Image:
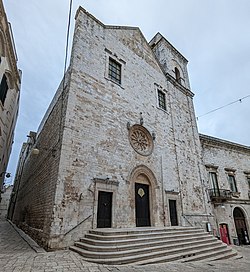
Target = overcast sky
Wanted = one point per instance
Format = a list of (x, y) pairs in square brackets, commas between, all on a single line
[(213, 35)]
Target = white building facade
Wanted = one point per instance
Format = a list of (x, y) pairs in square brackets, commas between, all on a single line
[(10, 82), (228, 176)]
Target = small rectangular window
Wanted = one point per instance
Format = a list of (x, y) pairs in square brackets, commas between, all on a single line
[(114, 71), (214, 183), (232, 183), (162, 100)]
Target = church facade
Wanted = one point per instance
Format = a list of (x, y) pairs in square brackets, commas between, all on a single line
[(118, 146)]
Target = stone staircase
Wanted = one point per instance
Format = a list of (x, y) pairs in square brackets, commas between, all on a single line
[(150, 245)]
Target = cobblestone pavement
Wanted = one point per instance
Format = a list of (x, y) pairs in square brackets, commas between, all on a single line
[(17, 255)]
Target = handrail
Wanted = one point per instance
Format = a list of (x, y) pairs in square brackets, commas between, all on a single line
[(77, 225), (190, 222), (187, 220)]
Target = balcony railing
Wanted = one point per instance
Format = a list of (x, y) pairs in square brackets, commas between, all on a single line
[(220, 194)]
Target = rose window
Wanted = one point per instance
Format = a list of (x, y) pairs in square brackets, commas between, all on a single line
[(141, 140)]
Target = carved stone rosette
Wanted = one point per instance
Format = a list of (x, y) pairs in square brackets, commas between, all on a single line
[(141, 140)]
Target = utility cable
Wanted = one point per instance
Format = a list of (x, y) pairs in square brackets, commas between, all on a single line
[(67, 42), (224, 106)]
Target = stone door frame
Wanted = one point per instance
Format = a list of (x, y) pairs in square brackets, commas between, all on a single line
[(142, 174)]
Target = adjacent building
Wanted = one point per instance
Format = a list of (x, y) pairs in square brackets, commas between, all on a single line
[(10, 81), (228, 176), (119, 145)]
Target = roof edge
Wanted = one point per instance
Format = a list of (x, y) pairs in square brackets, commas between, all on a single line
[(163, 38), (218, 141)]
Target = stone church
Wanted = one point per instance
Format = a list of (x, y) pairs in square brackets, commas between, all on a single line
[(119, 147)]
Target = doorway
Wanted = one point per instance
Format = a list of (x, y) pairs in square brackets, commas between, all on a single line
[(173, 212), (104, 210), (224, 234), (142, 212), (241, 228)]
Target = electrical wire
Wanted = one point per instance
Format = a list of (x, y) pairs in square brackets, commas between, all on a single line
[(224, 106), (67, 42)]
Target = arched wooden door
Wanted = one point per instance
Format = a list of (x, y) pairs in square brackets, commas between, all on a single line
[(142, 210), (241, 228)]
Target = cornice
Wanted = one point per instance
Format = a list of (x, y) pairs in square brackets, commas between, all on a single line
[(180, 87), (239, 201), (216, 142)]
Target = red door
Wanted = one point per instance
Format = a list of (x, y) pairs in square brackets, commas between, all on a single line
[(224, 234)]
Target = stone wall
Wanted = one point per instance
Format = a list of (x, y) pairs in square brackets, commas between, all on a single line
[(37, 174)]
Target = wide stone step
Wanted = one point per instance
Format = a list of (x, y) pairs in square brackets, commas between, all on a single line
[(186, 256), (141, 230), (149, 257), (150, 245), (157, 250), (144, 244), (142, 235), (167, 238), (212, 256)]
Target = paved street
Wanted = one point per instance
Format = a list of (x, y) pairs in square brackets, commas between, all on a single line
[(16, 254)]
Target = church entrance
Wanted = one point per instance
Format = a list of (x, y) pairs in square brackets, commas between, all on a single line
[(104, 211), (142, 209), (241, 228)]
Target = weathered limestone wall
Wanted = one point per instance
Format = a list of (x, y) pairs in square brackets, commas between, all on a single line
[(37, 175), (223, 156), (186, 137)]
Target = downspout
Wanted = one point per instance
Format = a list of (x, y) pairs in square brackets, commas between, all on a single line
[(163, 194)]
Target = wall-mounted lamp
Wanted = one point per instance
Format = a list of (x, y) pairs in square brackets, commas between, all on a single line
[(141, 119), (6, 174), (128, 125), (35, 151)]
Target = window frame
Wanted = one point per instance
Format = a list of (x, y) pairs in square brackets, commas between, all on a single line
[(114, 70), (161, 100), (213, 178), (114, 57), (232, 182)]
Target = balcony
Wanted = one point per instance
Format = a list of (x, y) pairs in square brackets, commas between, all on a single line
[(220, 195)]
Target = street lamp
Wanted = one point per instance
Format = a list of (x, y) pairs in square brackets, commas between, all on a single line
[(6, 174)]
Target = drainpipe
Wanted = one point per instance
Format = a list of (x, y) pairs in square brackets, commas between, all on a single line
[(163, 195)]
